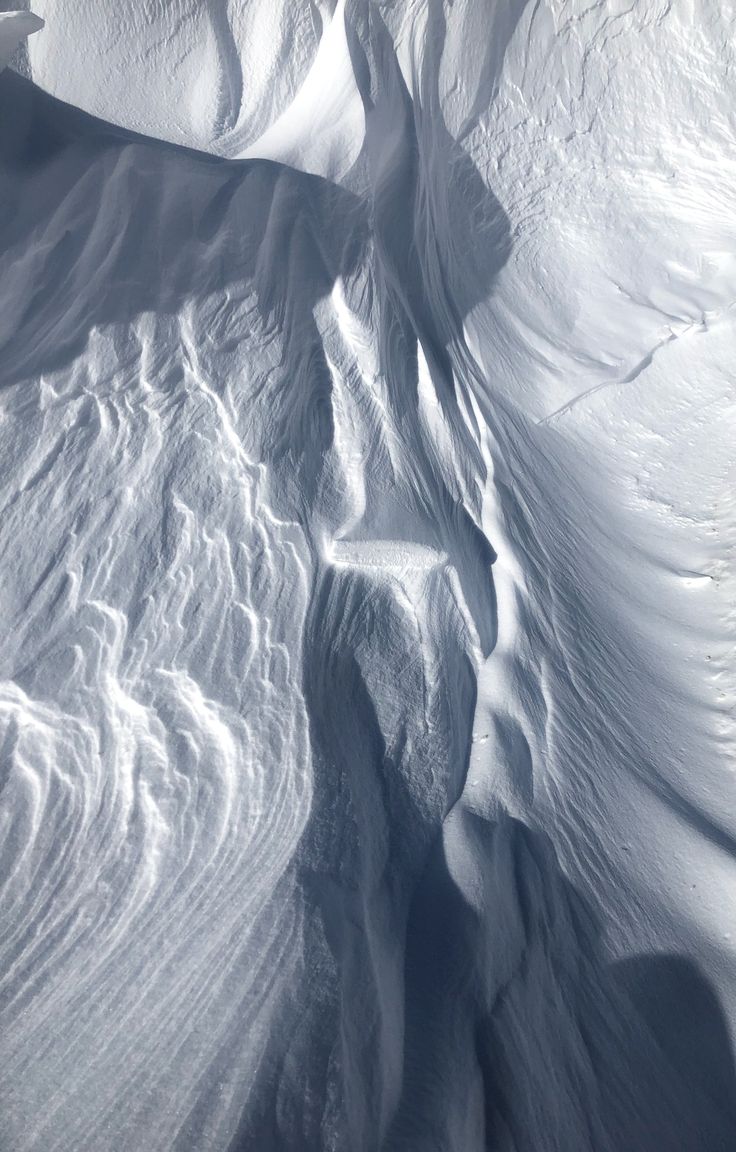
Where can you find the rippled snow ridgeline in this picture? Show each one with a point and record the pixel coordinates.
(367, 777)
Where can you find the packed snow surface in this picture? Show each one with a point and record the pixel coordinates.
(367, 424)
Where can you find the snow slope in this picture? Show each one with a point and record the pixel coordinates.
(212, 74)
(367, 693)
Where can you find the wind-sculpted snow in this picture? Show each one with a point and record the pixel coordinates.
(215, 74)
(366, 693)
(14, 28)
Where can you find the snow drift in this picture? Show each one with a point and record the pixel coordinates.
(14, 28)
(367, 578)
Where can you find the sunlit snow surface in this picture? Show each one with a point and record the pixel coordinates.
(367, 577)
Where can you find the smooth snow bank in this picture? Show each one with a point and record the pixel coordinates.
(14, 28)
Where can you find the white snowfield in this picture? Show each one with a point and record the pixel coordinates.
(367, 776)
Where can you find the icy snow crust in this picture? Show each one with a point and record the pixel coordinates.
(367, 579)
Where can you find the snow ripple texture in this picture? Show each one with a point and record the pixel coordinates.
(367, 586)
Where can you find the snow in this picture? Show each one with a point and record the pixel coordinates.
(367, 577)
(14, 27)
(322, 130)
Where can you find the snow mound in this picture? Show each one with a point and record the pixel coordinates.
(14, 28)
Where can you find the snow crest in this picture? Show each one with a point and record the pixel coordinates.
(14, 28)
